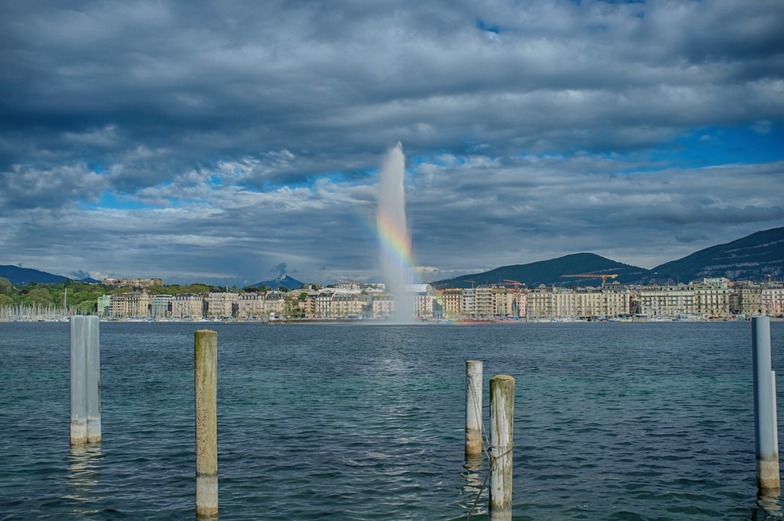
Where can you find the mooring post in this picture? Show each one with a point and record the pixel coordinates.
(85, 380)
(93, 373)
(473, 416)
(501, 447)
(765, 423)
(205, 391)
(78, 381)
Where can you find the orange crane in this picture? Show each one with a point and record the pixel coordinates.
(515, 283)
(603, 276)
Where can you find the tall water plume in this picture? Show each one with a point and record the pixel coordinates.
(395, 242)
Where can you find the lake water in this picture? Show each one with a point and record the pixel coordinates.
(360, 422)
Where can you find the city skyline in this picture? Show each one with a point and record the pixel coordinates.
(230, 146)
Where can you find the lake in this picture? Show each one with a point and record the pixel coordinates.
(618, 421)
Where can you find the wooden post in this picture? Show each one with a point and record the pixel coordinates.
(765, 422)
(205, 391)
(78, 382)
(473, 415)
(93, 374)
(501, 447)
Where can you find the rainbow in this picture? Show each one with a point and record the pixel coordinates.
(395, 244)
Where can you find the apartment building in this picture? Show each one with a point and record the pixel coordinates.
(451, 302)
(772, 298)
(424, 301)
(712, 297)
(666, 300)
(160, 306)
(104, 306)
(221, 306)
(130, 305)
(187, 307)
(381, 306)
(260, 306)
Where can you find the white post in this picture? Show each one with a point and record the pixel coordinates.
(205, 391)
(93, 374)
(501, 447)
(473, 418)
(78, 382)
(765, 423)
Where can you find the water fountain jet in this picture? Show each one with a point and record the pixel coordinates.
(395, 241)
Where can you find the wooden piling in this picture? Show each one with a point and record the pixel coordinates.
(205, 392)
(501, 447)
(765, 421)
(473, 416)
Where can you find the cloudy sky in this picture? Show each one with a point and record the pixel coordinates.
(231, 141)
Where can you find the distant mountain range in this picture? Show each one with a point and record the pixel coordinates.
(22, 276)
(754, 258)
(283, 280)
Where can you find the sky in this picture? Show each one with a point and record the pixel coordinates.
(229, 142)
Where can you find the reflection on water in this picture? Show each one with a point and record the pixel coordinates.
(768, 505)
(83, 465)
(475, 489)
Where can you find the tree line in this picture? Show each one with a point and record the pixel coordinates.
(81, 296)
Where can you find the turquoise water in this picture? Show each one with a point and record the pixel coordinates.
(613, 421)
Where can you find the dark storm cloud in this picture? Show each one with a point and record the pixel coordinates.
(255, 128)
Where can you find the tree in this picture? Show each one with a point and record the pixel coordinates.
(6, 288)
(6, 301)
(40, 296)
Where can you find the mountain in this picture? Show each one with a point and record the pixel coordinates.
(283, 280)
(753, 257)
(21, 276)
(551, 272)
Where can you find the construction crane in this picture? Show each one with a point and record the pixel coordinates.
(471, 281)
(603, 276)
(515, 283)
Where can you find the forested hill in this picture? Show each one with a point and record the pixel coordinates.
(551, 272)
(753, 257)
(23, 276)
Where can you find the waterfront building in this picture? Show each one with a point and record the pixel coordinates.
(450, 301)
(469, 302)
(423, 301)
(187, 307)
(104, 306)
(160, 306)
(260, 306)
(772, 298)
(666, 300)
(347, 305)
(135, 304)
(712, 298)
(540, 304)
(507, 303)
(222, 306)
(324, 304)
(382, 306)
(750, 299)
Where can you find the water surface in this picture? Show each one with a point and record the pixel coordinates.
(357, 422)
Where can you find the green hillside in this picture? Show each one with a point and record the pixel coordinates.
(753, 257)
(551, 272)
